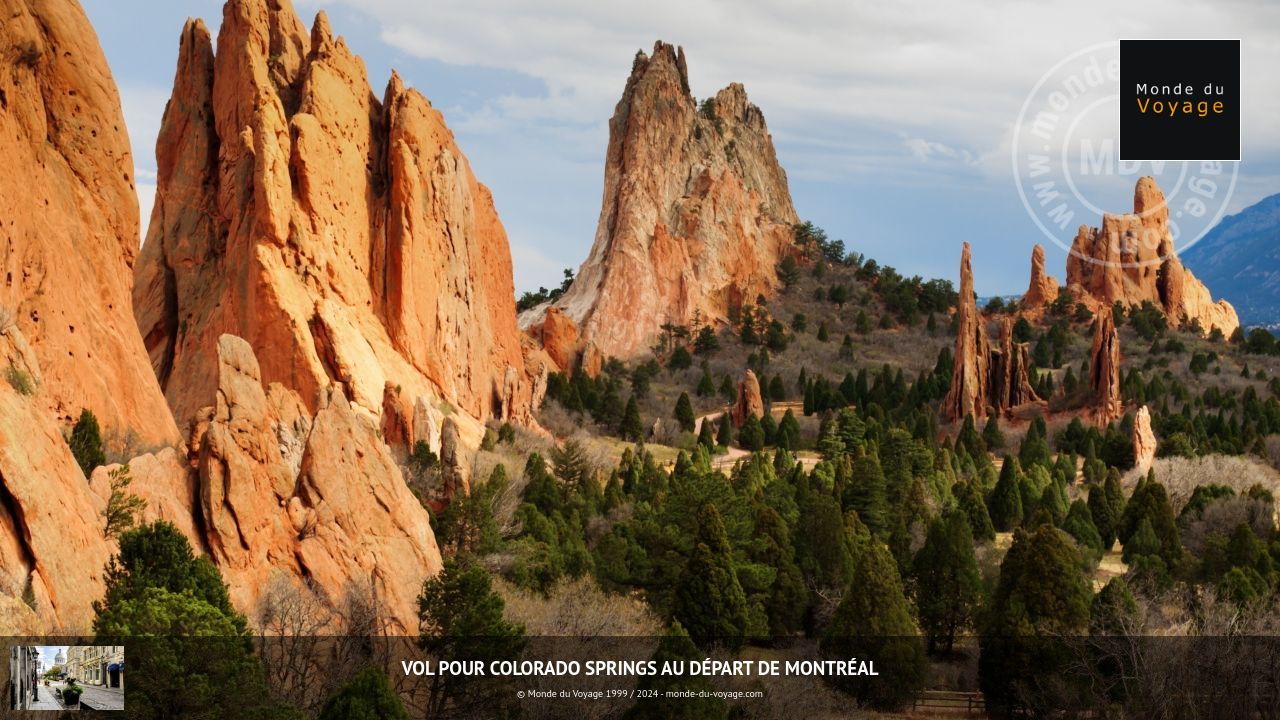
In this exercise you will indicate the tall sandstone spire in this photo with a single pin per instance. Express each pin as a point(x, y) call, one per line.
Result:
point(696, 212)
point(1131, 259)
point(341, 235)
point(1104, 369)
point(968, 393)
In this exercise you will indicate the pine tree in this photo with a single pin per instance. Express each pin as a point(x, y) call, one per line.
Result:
point(1079, 525)
point(706, 386)
point(684, 413)
point(991, 434)
point(724, 433)
point(788, 437)
point(823, 334)
point(1042, 595)
point(1113, 610)
point(1005, 503)
point(461, 618)
point(86, 443)
point(691, 695)
point(787, 596)
point(873, 621)
point(948, 586)
point(367, 696)
point(777, 390)
point(866, 494)
point(728, 390)
point(631, 428)
point(706, 438)
point(708, 599)
point(751, 434)
point(969, 500)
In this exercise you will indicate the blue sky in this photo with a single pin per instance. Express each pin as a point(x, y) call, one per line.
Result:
point(893, 121)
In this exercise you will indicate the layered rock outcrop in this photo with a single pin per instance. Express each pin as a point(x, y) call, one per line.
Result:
point(319, 496)
point(69, 222)
point(343, 236)
point(1104, 370)
point(749, 402)
point(1130, 259)
point(696, 212)
point(1043, 289)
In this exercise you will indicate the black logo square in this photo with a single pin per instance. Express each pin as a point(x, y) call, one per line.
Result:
point(1179, 99)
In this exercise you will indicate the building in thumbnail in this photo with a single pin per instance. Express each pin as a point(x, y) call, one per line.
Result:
point(24, 665)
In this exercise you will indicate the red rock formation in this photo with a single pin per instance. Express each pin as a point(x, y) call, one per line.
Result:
point(1131, 259)
point(749, 400)
point(696, 212)
point(69, 228)
point(343, 236)
point(559, 336)
point(1009, 385)
point(1144, 440)
point(319, 497)
point(1043, 289)
point(52, 548)
point(968, 393)
point(1104, 369)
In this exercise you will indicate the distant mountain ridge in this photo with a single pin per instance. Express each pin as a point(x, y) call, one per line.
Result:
point(1240, 259)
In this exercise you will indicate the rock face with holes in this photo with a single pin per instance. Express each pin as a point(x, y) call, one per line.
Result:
point(696, 212)
point(1104, 369)
point(69, 223)
point(1130, 259)
point(341, 234)
point(52, 544)
point(319, 496)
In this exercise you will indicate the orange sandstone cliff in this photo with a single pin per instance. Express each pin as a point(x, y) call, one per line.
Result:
point(342, 235)
point(69, 222)
point(695, 218)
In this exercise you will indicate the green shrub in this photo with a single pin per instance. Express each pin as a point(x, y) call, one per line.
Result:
point(20, 380)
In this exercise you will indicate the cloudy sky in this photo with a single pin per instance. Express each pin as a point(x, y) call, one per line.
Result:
point(894, 121)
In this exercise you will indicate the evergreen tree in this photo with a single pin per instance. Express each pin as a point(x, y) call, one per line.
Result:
point(1150, 502)
point(751, 434)
point(684, 413)
point(461, 618)
point(788, 432)
point(1042, 595)
point(724, 433)
point(706, 386)
point(1005, 503)
point(706, 438)
point(866, 496)
point(969, 500)
point(631, 427)
point(874, 622)
point(676, 646)
point(787, 596)
point(1079, 525)
point(189, 649)
point(948, 586)
point(777, 390)
point(367, 696)
point(1113, 610)
point(708, 599)
point(728, 390)
point(86, 443)
point(991, 435)
point(823, 334)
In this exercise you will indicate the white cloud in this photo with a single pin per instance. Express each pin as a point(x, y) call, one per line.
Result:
point(958, 70)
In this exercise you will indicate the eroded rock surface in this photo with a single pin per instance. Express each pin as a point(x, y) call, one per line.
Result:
point(696, 212)
point(1130, 259)
point(342, 235)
